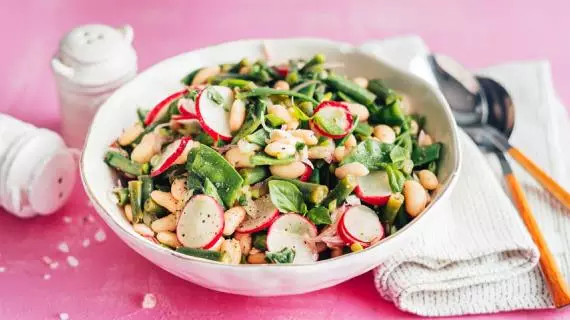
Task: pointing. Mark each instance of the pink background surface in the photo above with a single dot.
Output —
(111, 279)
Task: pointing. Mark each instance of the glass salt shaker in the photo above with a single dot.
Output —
(91, 63)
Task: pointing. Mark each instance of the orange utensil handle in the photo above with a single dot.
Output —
(554, 278)
(544, 179)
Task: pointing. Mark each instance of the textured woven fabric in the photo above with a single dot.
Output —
(480, 259)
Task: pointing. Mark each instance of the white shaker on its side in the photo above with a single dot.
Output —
(91, 63)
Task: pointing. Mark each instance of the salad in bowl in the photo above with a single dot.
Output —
(293, 163)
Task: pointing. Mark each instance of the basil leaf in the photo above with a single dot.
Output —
(423, 155)
(398, 154)
(396, 178)
(319, 215)
(215, 96)
(370, 153)
(211, 190)
(286, 255)
(286, 196)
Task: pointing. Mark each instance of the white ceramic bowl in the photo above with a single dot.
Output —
(261, 280)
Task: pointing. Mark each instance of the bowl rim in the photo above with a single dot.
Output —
(368, 251)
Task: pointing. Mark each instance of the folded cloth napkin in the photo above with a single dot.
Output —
(481, 259)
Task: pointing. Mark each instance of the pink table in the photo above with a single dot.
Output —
(111, 279)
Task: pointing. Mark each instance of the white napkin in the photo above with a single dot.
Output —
(480, 259)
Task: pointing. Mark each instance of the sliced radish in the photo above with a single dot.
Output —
(187, 107)
(260, 215)
(214, 117)
(201, 223)
(362, 224)
(172, 152)
(160, 110)
(374, 188)
(332, 119)
(292, 231)
(307, 174)
(216, 246)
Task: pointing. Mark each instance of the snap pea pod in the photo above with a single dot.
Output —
(239, 83)
(135, 194)
(353, 90)
(200, 253)
(319, 58)
(263, 91)
(312, 192)
(253, 175)
(342, 190)
(122, 195)
(146, 187)
(262, 159)
(211, 190)
(392, 207)
(151, 207)
(125, 165)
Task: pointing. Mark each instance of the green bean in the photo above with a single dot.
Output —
(146, 187)
(319, 58)
(151, 207)
(343, 188)
(135, 194)
(353, 90)
(392, 207)
(260, 92)
(125, 165)
(344, 97)
(239, 83)
(253, 175)
(382, 92)
(122, 195)
(200, 253)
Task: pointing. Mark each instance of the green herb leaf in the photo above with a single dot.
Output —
(260, 240)
(286, 255)
(258, 137)
(286, 197)
(396, 178)
(398, 154)
(299, 114)
(211, 190)
(370, 153)
(319, 215)
(423, 155)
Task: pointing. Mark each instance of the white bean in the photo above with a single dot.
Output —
(384, 133)
(414, 197)
(424, 139)
(237, 115)
(339, 153)
(280, 111)
(289, 171)
(204, 74)
(130, 134)
(428, 180)
(167, 223)
(361, 82)
(281, 85)
(239, 159)
(356, 169)
(128, 212)
(164, 199)
(178, 189)
(233, 217)
(308, 136)
(359, 110)
(245, 242)
(293, 124)
(168, 238)
(280, 150)
(350, 142)
(149, 146)
(231, 251)
(143, 230)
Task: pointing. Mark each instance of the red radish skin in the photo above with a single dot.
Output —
(333, 104)
(223, 121)
(283, 70)
(159, 110)
(307, 174)
(344, 235)
(169, 159)
(362, 224)
(259, 216)
(201, 222)
(187, 107)
(374, 188)
(213, 242)
(291, 230)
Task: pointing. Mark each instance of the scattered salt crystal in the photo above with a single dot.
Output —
(149, 301)
(90, 218)
(63, 247)
(47, 260)
(72, 261)
(47, 276)
(67, 219)
(100, 235)
(2, 269)
(54, 265)
(86, 243)
(63, 316)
